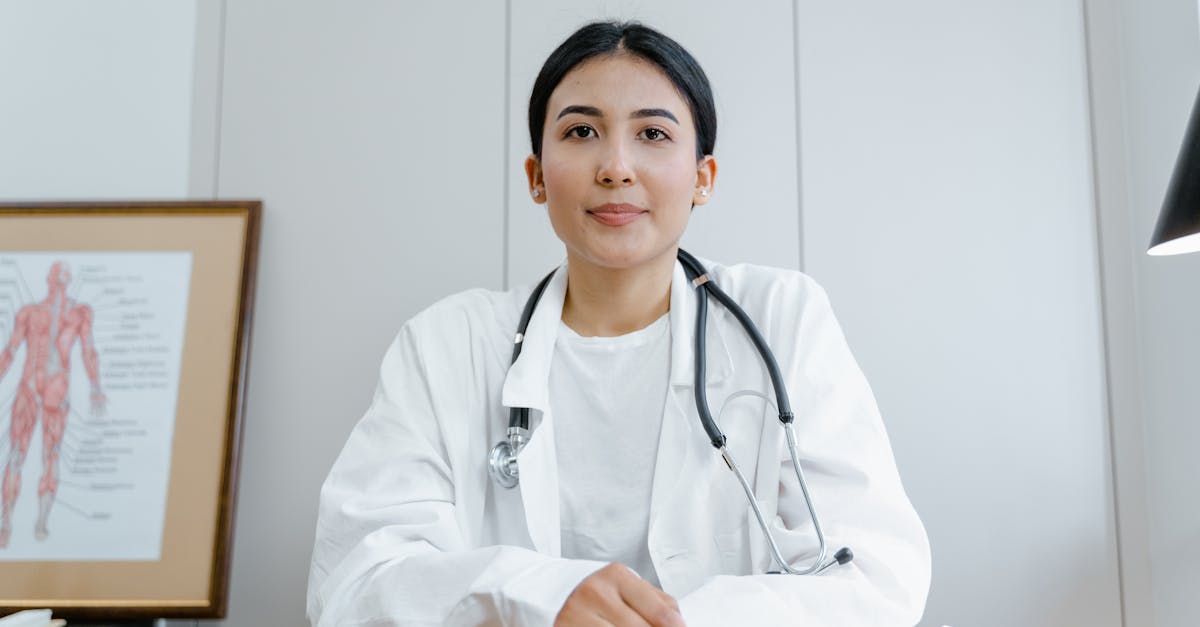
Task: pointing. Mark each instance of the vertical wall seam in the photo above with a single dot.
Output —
(504, 244)
(220, 109)
(216, 187)
(799, 157)
(1105, 318)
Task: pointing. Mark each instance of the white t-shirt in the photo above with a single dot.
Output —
(608, 395)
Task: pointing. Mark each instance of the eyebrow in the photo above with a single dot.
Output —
(596, 113)
(655, 113)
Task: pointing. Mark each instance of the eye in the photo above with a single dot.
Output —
(655, 134)
(581, 132)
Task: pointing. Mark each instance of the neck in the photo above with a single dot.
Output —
(606, 302)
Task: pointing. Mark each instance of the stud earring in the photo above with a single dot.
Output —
(704, 192)
(537, 192)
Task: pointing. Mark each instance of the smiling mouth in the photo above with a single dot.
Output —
(616, 214)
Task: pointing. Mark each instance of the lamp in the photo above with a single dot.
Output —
(1178, 229)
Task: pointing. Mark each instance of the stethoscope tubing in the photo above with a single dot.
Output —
(694, 271)
(518, 417)
(502, 464)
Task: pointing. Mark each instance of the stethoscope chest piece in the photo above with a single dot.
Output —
(502, 465)
(502, 461)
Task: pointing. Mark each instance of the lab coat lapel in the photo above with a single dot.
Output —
(683, 441)
(538, 466)
(526, 385)
(527, 381)
(683, 325)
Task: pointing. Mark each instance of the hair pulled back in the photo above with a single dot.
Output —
(609, 38)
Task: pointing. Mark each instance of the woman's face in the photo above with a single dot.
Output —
(618, 168)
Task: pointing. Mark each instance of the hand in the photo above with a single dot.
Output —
(615, 595)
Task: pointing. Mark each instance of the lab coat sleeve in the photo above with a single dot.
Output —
(851, 472)
(389, 548)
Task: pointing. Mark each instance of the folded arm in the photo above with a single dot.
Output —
(390, 549)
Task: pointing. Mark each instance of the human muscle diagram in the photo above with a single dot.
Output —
(90, 347)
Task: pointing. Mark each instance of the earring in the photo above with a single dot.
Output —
(537, 192)
(704, 192)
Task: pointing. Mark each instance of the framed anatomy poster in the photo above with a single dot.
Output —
(123, 349)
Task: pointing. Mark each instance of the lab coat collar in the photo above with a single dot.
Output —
(528, 380)
(683, 326)
(527, 383)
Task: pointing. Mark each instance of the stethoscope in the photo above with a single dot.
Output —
(502, 462)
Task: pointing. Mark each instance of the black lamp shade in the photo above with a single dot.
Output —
(1178, 229)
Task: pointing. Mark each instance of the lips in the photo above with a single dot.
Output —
(616, 214)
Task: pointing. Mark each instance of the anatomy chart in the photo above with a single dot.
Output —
(90, 350)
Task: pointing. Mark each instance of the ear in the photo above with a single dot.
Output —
(706, 177)
(537, 186)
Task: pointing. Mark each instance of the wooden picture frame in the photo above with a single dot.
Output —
(136, 406)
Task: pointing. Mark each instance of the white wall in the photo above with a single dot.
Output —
(1117, 256)
(934, 173)
(1159, 66)
(377, 147)
(95, 99)
(947, 208)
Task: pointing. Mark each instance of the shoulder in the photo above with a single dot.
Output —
(769, 288)
(476, 316)
(789, 307)
(793, 312)
(456, 312)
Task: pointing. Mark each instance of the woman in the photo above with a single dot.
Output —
(624, 514)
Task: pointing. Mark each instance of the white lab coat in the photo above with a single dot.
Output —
(411, 530)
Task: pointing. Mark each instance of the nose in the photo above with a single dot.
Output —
(615, 168)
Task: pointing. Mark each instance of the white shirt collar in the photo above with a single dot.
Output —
(526, 384)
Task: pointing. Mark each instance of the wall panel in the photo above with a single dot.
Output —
(95, 100)
(1160, 54)
(948, 210)
(374, 133)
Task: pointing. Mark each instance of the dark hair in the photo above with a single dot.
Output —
(607, 38)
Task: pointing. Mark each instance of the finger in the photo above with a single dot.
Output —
(577, 619)
(607, 601)
(656, 607)
(622, 615)
(580, 615)
(597, 601)
(594, 620)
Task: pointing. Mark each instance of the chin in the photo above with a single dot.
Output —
(620, 257)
